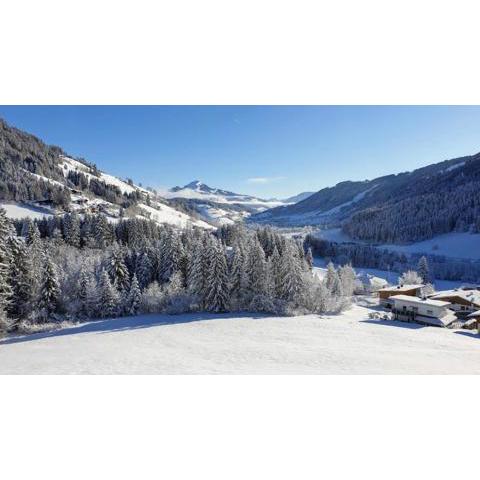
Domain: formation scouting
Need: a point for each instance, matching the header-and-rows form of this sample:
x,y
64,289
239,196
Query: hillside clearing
x,y
239,344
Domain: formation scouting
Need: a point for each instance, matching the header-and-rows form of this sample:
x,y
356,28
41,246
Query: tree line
x,y
75,268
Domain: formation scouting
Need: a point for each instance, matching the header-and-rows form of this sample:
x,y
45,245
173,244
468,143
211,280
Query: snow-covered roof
x,y
420,301
474,314
401,288
470,295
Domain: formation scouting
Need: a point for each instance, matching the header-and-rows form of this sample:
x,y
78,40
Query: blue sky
x,y
261,150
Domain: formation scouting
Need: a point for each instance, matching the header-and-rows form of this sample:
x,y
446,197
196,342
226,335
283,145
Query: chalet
x,y
385,294
473,321
464,300
422,310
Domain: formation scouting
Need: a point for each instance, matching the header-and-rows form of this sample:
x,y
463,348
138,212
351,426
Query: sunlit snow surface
x,y
19,211
244,344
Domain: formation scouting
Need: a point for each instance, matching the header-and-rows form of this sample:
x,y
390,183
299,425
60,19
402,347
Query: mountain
x,y
298,198
38,180
217,205
406,207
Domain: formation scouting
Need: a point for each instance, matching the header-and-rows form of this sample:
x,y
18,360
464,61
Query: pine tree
x,y
108,298
276,272
171,255
424,270
144,270
216,291
257,269
199,271
347,279
330,276
309,258
86,292
292,283
235,271
134,297
21,278
71,229
6,231
32,235
50,290
118,270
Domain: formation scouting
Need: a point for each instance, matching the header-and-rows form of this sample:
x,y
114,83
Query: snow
x,y
470,295
69,164
453,167
455,244
214,195
166,214
244,344
45,179
338,208
19,211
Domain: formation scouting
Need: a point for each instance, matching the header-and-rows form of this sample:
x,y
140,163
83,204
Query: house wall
x,y
425,310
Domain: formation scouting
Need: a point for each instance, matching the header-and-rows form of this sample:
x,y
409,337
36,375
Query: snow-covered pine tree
x,y
424,270
32,234
236,270
21,278
276,272
118,270
171,254
134,297
144,270
309,258
200,268
216,291
50,289
6,231
257,269
323,298
101,231
292,283
71,229
86,292
4,322
330,276
108,299
347,279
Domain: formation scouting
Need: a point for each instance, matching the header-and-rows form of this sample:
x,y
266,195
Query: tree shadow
x,y
130,323
395,323
468,333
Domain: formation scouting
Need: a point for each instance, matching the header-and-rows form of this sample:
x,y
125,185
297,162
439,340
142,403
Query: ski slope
x,y
244,344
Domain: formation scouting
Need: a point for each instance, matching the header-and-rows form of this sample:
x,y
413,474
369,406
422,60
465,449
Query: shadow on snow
x,y
129,323
395,323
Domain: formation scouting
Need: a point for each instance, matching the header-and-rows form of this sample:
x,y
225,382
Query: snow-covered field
x,y
455,244
241,344
18,211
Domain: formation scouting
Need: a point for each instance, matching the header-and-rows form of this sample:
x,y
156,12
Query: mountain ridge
x,y
408,206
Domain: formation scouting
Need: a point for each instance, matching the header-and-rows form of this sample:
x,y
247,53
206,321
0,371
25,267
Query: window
x,y
430,312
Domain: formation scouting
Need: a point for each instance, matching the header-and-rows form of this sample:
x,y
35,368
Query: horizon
x,y
263,151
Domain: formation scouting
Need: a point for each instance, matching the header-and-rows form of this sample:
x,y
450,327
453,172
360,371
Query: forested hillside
x,y
39,174
407,207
